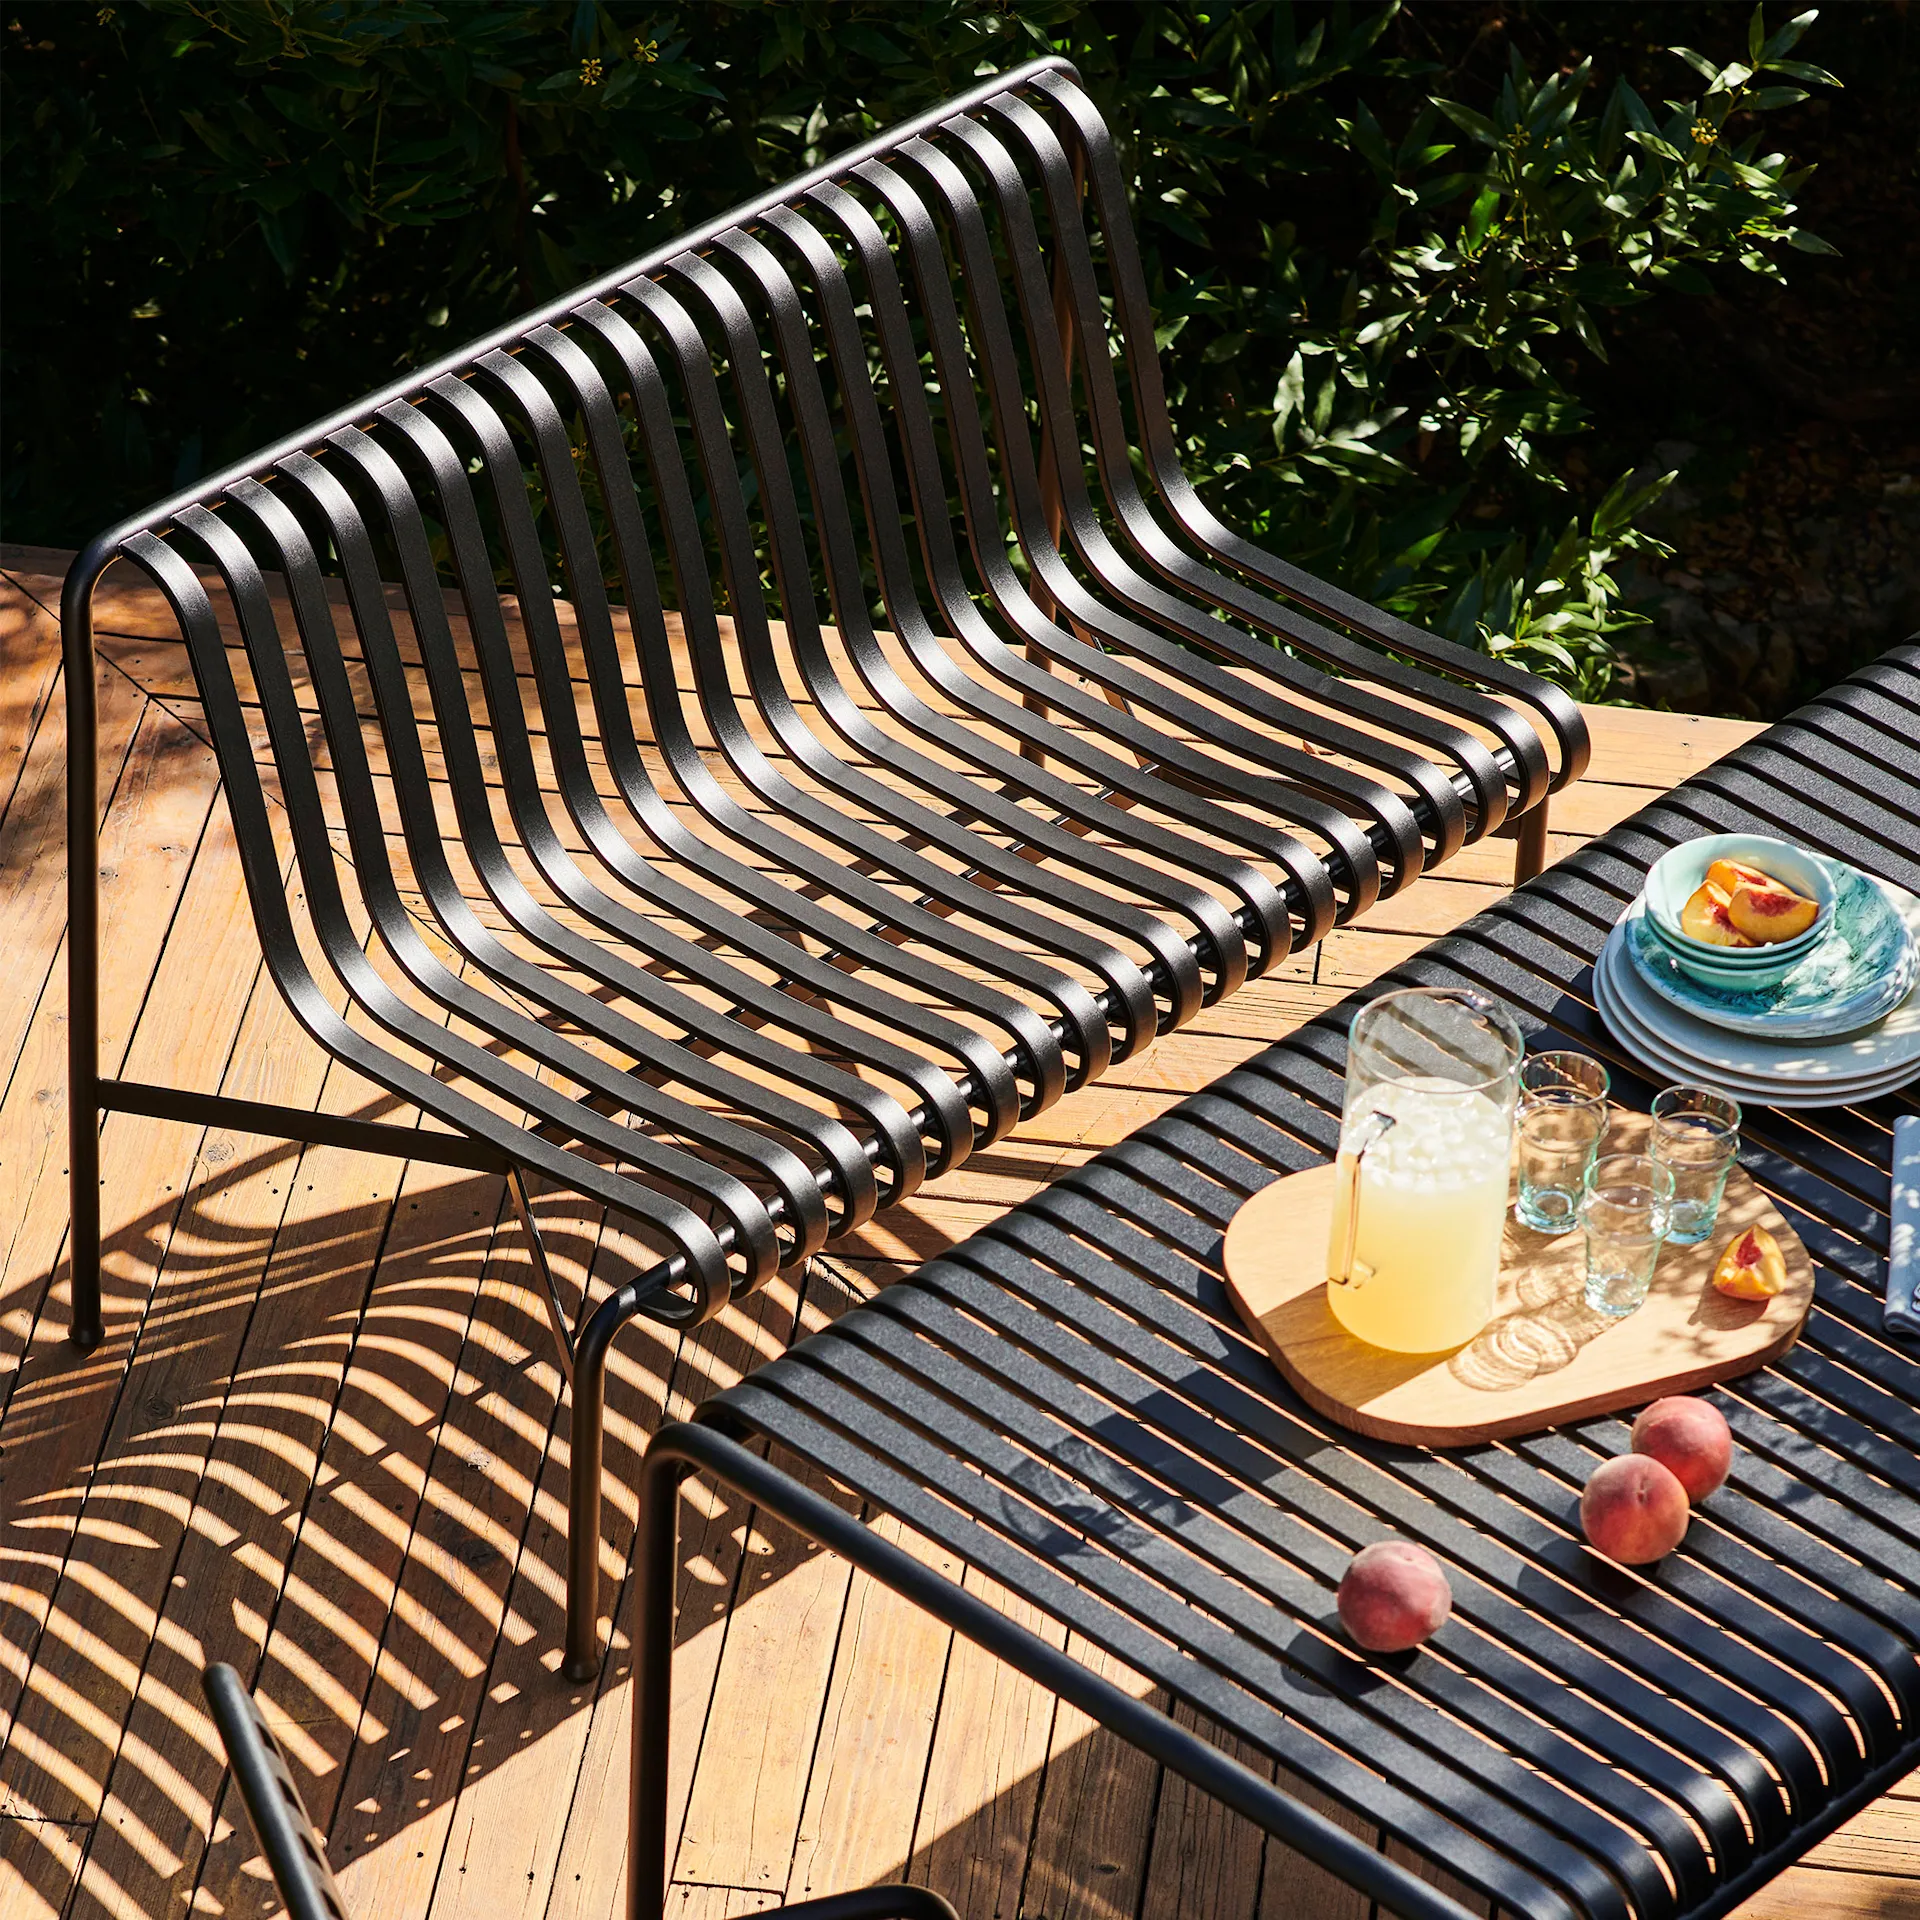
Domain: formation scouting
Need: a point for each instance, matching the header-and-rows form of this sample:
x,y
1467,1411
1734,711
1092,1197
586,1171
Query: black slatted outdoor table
x,y
1069,1403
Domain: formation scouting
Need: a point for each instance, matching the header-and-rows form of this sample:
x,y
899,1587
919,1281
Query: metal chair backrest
x,y
298,1862
295,1857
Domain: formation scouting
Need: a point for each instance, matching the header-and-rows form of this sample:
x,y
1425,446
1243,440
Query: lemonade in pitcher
x,y
1425,1147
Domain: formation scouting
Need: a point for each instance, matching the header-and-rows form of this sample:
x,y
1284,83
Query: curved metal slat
x,y
287,963
1182,774
1069,642
1214,931
1039,1047
1096,812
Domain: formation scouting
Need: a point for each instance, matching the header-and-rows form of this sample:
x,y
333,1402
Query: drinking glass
x,y
1563,1117
1426,1141
1624,1211
1696,1135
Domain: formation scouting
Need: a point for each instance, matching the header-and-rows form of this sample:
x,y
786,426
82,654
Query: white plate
x,y
1661,1067
1874,1051
1666,1060
1659,1064
1673,1051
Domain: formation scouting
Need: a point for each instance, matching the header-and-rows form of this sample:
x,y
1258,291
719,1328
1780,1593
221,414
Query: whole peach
x,y
1392,1596
1690,1439
1634,1510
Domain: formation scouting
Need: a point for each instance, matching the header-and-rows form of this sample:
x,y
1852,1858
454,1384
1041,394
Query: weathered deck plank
x,y
323,1442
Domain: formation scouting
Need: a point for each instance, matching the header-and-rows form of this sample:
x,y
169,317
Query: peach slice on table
x,y
1731,875
1770,912
1706,918
1751,1266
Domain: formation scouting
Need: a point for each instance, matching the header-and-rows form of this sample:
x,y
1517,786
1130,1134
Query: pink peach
x,y
1634,1510
1392,1596
1690,1439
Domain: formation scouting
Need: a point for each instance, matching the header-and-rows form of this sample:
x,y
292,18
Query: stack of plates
x,y
1844,1025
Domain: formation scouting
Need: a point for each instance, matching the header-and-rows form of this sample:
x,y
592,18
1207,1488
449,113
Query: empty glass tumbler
x,y
1561,1122
1696,1135
1624,1209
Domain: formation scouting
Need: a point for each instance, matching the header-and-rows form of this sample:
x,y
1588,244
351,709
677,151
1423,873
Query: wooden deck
x,y
323,1441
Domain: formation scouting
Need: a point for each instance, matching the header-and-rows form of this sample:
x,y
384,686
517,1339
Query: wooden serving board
x,y
1545,1356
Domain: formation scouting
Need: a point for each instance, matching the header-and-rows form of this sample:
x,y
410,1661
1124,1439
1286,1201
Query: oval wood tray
x,y
1545,1356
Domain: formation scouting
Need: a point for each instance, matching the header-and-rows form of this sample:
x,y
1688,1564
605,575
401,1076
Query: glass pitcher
x,y
1426,1141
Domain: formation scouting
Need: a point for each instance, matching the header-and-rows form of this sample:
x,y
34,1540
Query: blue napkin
x,y
1903,1253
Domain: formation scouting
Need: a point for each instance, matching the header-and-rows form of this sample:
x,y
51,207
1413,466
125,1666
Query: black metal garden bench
x,y
1069,1407
739,925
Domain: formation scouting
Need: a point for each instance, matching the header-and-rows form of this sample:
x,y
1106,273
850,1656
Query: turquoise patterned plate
x,y
1863,969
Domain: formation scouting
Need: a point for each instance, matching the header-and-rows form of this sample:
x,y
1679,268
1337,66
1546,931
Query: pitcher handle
x,y
1369,1133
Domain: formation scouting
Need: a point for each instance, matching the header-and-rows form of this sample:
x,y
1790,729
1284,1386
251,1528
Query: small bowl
x,y
1734,959
1676,875
1757,979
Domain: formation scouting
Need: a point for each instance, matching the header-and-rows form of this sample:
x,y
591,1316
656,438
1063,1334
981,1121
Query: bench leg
x,y
656,1567
583,1479
1530,844
83,951
656,1550
85,1328
83,1191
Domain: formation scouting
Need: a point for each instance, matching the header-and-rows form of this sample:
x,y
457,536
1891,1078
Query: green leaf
x,y
1582,323
1480,218
1447,186
1707,69
870,42
216,140
1477,125
1804,242
1683,275
275,236
1803,70
1653,143
1638,115
1289,397
1368,141
1789,36
1224,347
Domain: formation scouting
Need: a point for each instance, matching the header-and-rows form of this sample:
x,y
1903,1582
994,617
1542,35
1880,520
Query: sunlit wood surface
x,y
323,1441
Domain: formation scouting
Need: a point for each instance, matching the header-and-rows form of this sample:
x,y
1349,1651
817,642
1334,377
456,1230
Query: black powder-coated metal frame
x,y
1068,1403
280,1820
1113,760
298,1861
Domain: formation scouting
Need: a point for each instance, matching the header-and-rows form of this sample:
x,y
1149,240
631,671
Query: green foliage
x,y
1423,382
1379,266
